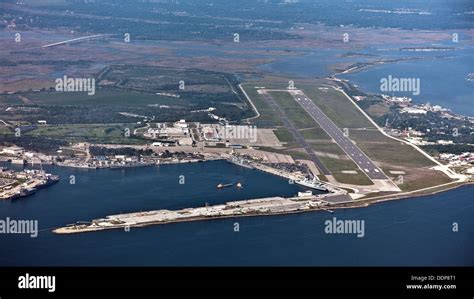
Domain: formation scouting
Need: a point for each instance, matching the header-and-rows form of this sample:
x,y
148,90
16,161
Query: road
x,y
76,40
361,160
296,134
443,168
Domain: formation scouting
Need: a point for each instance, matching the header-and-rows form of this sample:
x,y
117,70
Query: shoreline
x,y
361,203
326,207
365,201
233,209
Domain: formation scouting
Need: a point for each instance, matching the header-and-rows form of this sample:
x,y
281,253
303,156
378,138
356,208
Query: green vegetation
x,y
284,135
295,112
389,153
161,79
31,143
369,135
450,148
154,20
336,166
336,106
316,133
327,147
424,180
102,96
268,118
129,94
4,130
353,179
94,133
395,153
296,154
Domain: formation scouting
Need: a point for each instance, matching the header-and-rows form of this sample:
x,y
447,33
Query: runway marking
x,y
338,136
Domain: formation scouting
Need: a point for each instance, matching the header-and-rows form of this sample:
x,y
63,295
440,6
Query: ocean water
x,y
415,231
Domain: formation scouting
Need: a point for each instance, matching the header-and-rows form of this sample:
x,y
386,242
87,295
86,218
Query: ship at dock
x,y
240,162
44,179
27,191
313,184
49,180
24,183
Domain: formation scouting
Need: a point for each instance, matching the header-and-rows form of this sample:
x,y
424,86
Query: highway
x,y
296,134
362,161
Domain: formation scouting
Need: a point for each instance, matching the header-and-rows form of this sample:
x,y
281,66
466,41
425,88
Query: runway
x,y
296,134
362,161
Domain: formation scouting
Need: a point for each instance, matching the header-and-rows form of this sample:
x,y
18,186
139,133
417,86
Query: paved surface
x,y
364,163
337,199
296,134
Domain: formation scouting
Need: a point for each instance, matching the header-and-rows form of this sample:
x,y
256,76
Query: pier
x,y
251,207
15,184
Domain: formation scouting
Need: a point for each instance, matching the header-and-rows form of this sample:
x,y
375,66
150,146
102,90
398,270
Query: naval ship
x,y
313,184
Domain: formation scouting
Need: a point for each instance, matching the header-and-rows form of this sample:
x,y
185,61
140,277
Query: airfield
x,y
318,123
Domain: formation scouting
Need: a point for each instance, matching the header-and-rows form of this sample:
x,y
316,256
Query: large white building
x,y
413,111
13,150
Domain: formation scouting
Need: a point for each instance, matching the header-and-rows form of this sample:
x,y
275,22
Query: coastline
x,y
326,207
365,201
359,203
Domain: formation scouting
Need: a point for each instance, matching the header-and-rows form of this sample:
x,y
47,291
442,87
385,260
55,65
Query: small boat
x,y
220,186
239,185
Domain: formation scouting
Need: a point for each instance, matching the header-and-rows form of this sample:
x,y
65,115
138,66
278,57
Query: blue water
x,y
408,232
316,62
442,79
442,74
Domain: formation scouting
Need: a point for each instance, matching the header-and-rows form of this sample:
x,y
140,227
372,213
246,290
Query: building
x,y
209,133
185,141
18,161
444,142
13,150
413,111
179,129
305,193
181,124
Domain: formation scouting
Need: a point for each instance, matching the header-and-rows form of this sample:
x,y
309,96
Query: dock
x,y
15,184
251,207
